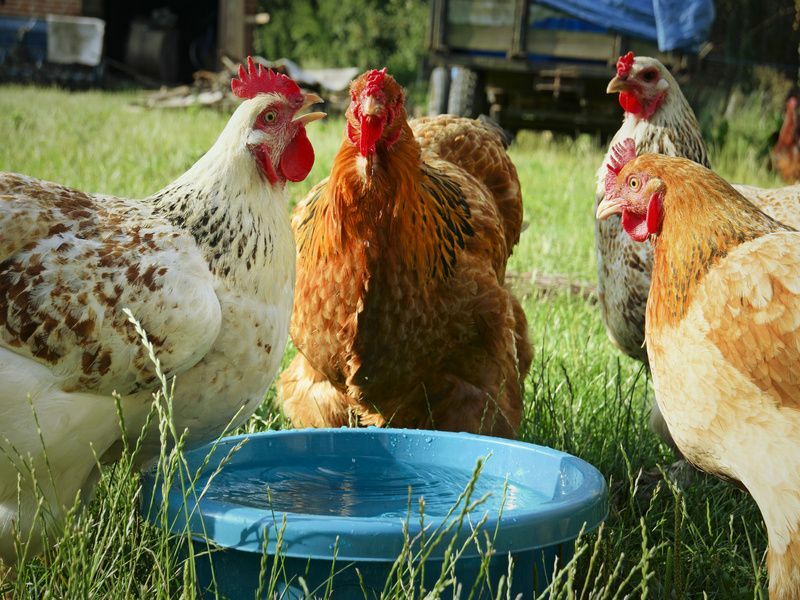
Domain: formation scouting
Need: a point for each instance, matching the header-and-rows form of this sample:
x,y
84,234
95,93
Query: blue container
x,y
26,36
355,494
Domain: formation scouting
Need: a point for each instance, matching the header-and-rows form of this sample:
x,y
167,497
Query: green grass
x,y
582,395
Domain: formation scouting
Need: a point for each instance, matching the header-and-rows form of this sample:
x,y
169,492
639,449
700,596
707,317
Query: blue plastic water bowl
x,y
336,507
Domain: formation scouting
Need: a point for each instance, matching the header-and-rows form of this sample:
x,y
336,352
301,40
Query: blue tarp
x,y
673,24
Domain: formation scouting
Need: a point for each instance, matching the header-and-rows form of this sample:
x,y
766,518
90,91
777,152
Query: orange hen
x,y
401,316
786,153
723,334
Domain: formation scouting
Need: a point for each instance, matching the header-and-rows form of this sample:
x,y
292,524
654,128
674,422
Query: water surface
x,y
364,487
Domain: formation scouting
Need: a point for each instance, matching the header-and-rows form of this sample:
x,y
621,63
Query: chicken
x,y
659,119
206,265
786,153
401,316
723,334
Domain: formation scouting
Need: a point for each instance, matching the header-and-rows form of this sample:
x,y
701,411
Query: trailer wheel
x,y
438,91
467,97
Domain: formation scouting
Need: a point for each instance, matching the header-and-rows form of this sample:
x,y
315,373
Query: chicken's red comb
x,y
375,81
624,65
621,154
258,80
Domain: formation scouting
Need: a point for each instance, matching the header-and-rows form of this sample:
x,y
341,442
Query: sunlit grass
x,y
583,396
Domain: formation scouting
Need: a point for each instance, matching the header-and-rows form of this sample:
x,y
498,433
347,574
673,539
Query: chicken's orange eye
x,y
633,183
270,116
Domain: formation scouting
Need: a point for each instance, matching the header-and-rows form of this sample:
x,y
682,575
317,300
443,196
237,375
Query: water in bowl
x,y
364,487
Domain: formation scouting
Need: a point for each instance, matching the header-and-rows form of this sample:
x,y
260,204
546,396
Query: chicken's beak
x,y
370,106
608,207
617,85
309,99
309,117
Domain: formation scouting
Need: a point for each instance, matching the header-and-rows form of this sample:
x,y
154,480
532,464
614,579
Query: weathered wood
x,y
231,29
560,44
481,13
519,43
572,44
476,37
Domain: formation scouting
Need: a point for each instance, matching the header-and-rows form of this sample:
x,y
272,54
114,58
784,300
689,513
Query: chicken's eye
x,y
634,183
649,76
270,116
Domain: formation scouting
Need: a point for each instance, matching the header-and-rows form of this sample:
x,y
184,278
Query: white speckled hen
x,y
206,265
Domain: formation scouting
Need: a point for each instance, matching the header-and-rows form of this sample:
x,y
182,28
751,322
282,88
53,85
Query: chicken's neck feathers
x,y
364,196
237,218
672,130
405,213
704,219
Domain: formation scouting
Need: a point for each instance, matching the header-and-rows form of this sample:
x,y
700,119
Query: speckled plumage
x,y
385,336
623,266
206,265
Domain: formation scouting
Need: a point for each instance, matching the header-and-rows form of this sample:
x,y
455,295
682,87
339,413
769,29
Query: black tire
x,y
467,97
438,91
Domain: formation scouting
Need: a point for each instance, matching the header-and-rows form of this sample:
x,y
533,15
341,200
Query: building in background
x,y
162,41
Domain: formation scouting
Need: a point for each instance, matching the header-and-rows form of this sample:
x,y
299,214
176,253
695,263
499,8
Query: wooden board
x,y
231,41
481,13
560,44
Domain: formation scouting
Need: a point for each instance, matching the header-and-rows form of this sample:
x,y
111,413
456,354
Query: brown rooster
x,y
659,119
401,316
723,334
786,153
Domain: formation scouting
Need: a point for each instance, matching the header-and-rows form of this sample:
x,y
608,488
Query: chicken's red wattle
x,y
655,213
635,225
629,102
371,131
298,158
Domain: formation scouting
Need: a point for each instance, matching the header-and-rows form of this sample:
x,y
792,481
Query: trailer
x,y
527,65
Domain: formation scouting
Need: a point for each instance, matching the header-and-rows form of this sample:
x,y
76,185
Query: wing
x,y
782,204
480,149
70,263
751,302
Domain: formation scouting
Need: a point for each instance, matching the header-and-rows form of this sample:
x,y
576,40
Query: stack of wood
x,y
214,89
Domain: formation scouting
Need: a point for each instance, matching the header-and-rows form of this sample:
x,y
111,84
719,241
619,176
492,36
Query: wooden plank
x,y
480,38
231,40
520,39
481,13
559,44
572,44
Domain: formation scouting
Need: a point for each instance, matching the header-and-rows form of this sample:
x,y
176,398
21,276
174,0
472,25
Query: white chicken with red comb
x,y
206,265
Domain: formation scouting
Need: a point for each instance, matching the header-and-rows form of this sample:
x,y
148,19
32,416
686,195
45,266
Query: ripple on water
x,y
363,487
